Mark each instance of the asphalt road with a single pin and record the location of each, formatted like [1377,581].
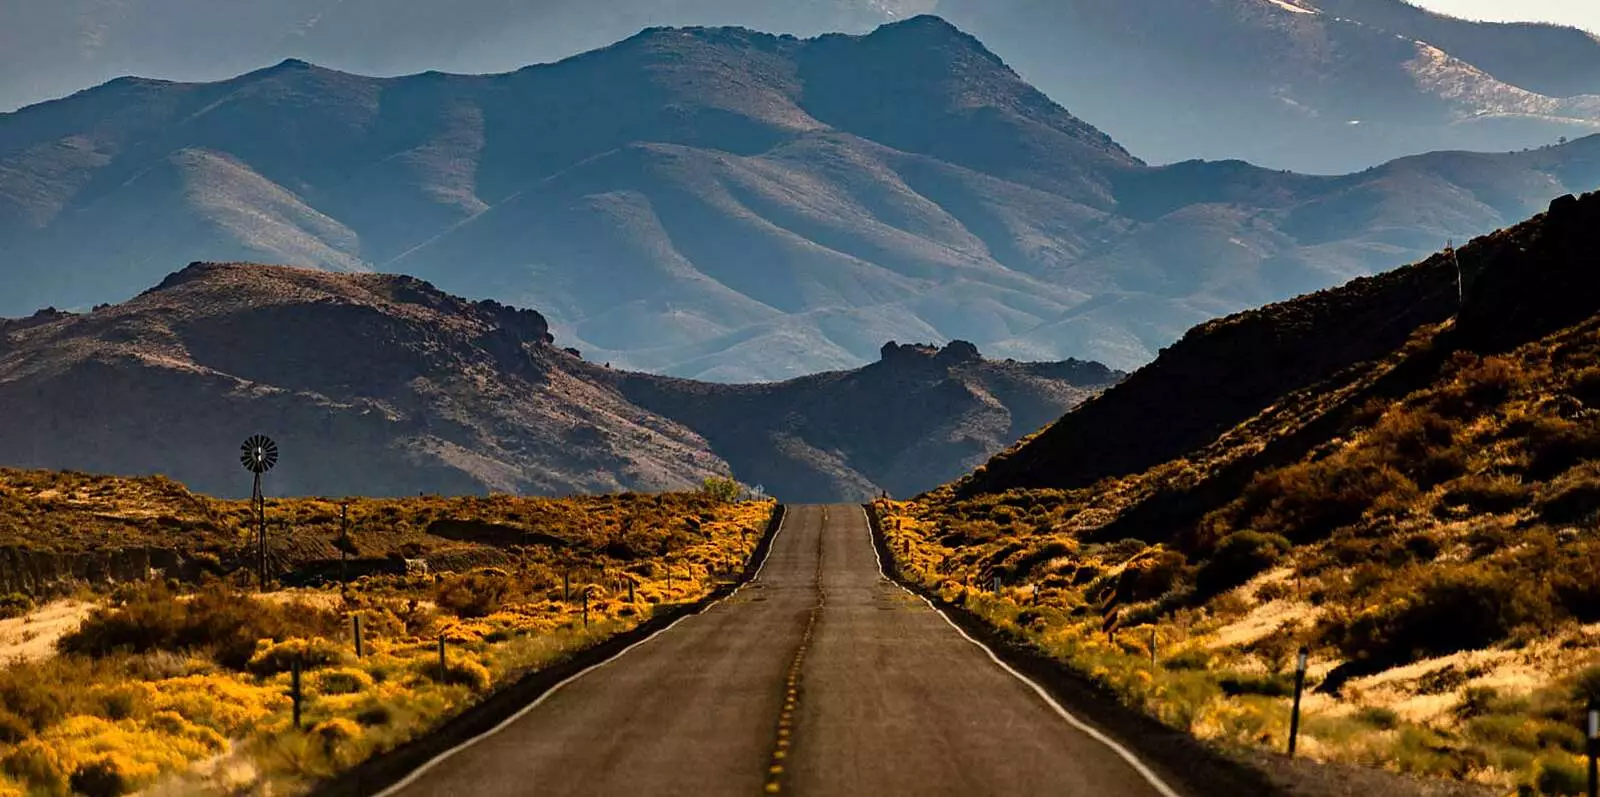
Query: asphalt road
[818,678]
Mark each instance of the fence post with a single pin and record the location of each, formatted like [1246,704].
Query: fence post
[566,586]
[586,608]
[294,689]
[1299,687]
[444,670]
[355,621]
[1594,748]
[1152,647]
[630,590]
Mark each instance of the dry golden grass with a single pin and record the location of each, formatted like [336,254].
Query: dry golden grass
[179,691]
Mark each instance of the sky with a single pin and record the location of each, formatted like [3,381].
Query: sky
[1578,13]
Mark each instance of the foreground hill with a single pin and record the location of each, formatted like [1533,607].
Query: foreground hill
[384,385]
[1399,474]
[722,204]
[1270,81]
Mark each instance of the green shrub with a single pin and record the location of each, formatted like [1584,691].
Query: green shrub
[1240,557]
[722,489]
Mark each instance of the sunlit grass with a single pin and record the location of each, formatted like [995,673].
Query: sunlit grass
[179,692]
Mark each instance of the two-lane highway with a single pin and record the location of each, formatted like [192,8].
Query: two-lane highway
[856,686]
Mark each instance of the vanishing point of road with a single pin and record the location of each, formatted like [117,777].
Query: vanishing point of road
[819,677]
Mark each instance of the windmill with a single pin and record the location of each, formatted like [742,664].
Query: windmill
[258,454]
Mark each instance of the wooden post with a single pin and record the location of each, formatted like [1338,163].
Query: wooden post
[1152,647]
[1299,686]
[444,670]
[355,623]
[630,590]
[294,689]
[586,608]
[566,585]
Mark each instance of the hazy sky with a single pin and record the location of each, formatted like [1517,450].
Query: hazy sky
[1580,13]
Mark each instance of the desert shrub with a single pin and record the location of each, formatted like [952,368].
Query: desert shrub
[223,621]
[43,692]
[1559,775]
[1586,686]
[458,671]
[1576,582]
[272,658]
[721,489]
[342,681]
[1556,445]
[1051,549]
[1150,577]
[106,776]
[1380,717]
[1188,659]
[13,728]
[477,594]
[15,604]
[38,765]
[1273,591]
[1486,494]
[1586,386]
[1574,497]
[1453,610]
[1476,701]
[375,715]
[117,701]
[1275,685]
[1240,557]
[1308,501]
[1417,443]
[336,732]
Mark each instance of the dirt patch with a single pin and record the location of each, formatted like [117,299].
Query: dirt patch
[33,636]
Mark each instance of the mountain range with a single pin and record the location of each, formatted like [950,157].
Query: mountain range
[384,385]
[1311,85]
[722,204]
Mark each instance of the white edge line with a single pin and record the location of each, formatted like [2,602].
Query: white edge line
[1138,766]
[442,757]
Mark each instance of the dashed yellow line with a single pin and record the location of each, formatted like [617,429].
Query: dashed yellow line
[791,690]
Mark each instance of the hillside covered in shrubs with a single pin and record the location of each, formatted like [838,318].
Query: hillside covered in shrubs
[1402,475]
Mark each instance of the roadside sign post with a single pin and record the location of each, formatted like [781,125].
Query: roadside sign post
[1299,687]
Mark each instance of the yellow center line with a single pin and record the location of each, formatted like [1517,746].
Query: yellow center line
[791,694]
